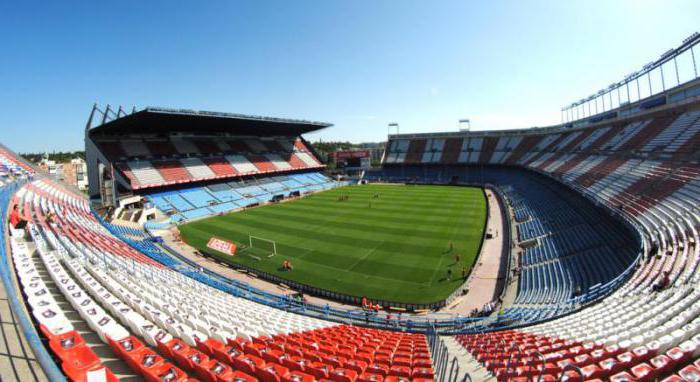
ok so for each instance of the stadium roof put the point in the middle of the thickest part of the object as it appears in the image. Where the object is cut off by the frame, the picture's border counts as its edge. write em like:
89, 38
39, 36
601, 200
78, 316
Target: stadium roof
160, 120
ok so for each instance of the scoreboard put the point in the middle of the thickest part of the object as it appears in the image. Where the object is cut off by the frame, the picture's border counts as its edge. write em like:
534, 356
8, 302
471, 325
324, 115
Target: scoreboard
352, 159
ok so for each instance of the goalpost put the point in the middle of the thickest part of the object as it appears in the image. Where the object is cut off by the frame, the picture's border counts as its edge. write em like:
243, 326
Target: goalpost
262, 243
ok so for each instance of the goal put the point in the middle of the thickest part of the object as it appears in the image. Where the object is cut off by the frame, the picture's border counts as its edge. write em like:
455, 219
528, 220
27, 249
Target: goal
262, 244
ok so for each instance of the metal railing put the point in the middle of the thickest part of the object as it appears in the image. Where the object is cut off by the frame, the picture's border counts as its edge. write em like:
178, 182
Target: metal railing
570, 367
45, 360
446, 367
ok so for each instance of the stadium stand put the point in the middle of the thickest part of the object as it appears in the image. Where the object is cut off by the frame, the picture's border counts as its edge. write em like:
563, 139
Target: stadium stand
165, 332
640, 169
149, 168
604, 215
191, 203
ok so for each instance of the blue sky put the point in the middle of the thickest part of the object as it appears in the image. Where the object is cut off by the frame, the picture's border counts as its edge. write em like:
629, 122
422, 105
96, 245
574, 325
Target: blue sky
357, 64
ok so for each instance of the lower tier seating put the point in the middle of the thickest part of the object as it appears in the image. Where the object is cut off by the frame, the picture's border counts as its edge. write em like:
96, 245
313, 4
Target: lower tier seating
192, 203
167, 326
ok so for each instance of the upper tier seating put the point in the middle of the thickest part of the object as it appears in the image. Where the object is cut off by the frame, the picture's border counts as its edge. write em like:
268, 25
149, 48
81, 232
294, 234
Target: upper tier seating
9, 164
153, 163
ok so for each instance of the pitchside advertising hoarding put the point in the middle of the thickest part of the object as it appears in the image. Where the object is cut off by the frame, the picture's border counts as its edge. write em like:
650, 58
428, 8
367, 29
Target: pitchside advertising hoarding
222, 246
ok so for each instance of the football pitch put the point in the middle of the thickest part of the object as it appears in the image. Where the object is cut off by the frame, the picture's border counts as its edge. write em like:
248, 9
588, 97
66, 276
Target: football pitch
388, 242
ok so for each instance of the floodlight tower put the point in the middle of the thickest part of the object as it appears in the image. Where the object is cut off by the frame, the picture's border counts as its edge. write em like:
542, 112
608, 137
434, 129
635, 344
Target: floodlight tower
393, 125
464, 124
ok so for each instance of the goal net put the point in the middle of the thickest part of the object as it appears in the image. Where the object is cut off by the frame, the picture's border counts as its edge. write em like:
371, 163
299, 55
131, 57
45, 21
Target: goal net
261, 244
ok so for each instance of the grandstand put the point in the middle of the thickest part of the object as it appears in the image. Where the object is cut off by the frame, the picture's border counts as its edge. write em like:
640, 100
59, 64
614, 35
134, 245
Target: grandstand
643, 170
192, 164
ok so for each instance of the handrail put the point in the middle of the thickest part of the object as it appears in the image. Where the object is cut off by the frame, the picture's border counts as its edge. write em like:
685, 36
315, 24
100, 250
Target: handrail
529, 370
28, 330
513, 346
571, 367
452, 370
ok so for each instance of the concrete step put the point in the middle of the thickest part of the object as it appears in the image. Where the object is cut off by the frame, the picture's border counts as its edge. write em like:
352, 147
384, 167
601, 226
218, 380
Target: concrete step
103, 351
467, 363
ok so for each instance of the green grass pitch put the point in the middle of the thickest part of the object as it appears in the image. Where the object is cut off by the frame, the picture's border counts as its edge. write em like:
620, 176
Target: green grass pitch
394, 247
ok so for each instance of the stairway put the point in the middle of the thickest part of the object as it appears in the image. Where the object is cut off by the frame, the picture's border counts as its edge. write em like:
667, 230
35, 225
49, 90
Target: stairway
467, 363
106, 354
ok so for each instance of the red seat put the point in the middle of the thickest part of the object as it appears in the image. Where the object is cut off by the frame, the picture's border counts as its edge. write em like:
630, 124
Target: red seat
357, 365
644, 372
662, 364
238, 343
248, 364
143, 359
295, 363
592, 372
623, 377
673, 378
168, 349
166, 372
690, 373
396, 378
239, 376
401, 362
678, 356
182, 355
298, 376
610, 366
335, 361
377, 368
274, 355
343, 375
422, 362
627, 359
400, 371
423, 372
369, 377
319, 370
209, 346
227, 354
124, 346
364, 356
63, 344
214, 370
80, 359
382, 359
255, 348
272, 372
642, 353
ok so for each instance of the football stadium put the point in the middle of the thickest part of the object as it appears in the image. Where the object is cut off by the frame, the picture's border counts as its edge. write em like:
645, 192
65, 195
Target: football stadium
220, 246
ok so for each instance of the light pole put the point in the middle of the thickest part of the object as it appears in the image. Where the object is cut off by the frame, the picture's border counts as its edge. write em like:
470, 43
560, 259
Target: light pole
393, 125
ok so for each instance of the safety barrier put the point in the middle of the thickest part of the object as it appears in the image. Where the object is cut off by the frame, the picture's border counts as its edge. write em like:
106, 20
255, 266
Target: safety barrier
444, 324
28, 330
446, 368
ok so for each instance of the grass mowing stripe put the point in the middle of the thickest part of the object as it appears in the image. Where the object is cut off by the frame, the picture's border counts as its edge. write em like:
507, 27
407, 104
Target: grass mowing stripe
395, 250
